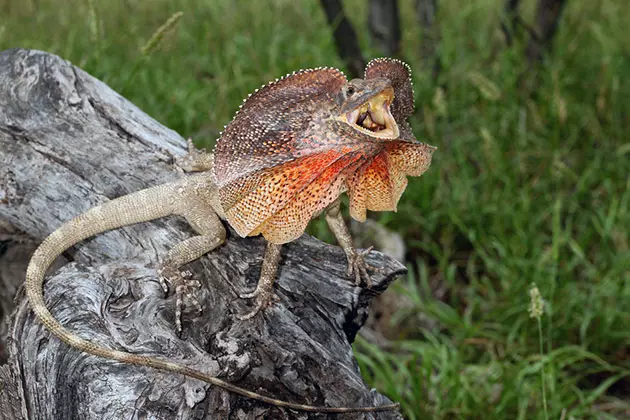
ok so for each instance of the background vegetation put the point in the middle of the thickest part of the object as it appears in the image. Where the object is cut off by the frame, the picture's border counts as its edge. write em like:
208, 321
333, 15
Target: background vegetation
528, 185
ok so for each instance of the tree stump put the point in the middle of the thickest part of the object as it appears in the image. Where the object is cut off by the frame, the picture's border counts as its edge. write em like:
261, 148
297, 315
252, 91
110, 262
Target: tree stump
67, 143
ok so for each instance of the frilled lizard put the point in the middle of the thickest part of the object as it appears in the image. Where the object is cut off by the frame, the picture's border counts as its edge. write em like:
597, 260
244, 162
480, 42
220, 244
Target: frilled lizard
291, 150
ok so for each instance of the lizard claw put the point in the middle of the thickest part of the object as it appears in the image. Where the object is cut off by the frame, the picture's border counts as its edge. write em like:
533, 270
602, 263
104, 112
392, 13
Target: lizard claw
195, 160
358, 268
185, 288
250, 295
252, 313
263, 300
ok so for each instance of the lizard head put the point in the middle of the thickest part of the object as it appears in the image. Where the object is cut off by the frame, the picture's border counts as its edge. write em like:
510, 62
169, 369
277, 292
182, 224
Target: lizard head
299, 142
365, 105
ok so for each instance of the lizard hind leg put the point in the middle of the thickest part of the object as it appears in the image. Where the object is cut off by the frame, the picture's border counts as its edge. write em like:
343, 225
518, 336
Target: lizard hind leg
182, 282
204, 221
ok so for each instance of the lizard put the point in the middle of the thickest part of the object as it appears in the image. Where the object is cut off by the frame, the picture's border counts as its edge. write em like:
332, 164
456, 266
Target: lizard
293, 148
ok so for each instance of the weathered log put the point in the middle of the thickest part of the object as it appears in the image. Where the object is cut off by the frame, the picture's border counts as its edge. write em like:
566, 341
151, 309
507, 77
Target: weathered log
67, 143
10, 395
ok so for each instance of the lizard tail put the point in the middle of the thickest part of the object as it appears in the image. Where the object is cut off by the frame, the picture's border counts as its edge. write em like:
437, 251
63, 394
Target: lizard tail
130, 209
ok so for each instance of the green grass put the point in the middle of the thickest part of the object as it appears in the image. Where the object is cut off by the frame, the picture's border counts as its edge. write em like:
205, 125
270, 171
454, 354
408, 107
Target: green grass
526, 187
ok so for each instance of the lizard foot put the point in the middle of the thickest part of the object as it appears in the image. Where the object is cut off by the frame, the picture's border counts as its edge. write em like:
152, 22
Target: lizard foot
358, 268
195, 160
185, 288
263, 300
250, 295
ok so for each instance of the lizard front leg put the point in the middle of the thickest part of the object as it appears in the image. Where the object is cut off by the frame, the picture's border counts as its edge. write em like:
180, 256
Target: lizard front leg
356, 260
264, 289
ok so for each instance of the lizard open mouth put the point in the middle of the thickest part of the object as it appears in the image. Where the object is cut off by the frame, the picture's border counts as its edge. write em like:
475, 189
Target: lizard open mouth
374, 117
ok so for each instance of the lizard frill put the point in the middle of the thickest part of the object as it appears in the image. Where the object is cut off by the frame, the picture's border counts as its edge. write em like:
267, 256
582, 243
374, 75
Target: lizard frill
284, 159
379, 183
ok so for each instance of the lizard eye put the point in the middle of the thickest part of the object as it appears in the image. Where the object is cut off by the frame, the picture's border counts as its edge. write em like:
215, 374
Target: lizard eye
350, 90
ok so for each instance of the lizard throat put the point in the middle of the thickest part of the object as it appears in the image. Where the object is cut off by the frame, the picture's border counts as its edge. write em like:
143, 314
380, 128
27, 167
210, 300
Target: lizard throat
374, 117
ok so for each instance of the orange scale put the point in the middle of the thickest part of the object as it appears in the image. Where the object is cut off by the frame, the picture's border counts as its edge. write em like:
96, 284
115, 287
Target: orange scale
378, 186
356, 193
266, 195
412, 159
289, 223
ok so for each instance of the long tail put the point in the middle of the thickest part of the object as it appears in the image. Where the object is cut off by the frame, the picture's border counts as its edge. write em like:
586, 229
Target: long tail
138, 207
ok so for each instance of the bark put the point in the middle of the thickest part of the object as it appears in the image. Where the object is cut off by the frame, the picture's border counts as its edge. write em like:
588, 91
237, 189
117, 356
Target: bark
67, 143
426, 11
345, 37
10, 395
384, 26
548, 14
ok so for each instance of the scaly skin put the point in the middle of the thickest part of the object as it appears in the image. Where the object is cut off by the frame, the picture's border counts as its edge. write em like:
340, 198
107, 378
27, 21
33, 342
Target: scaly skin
293, 148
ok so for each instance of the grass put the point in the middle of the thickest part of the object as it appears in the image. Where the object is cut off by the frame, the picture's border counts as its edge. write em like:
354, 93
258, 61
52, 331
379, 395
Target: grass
526, 187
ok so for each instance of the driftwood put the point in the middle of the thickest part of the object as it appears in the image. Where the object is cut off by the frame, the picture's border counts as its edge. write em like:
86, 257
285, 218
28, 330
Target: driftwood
67, 143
